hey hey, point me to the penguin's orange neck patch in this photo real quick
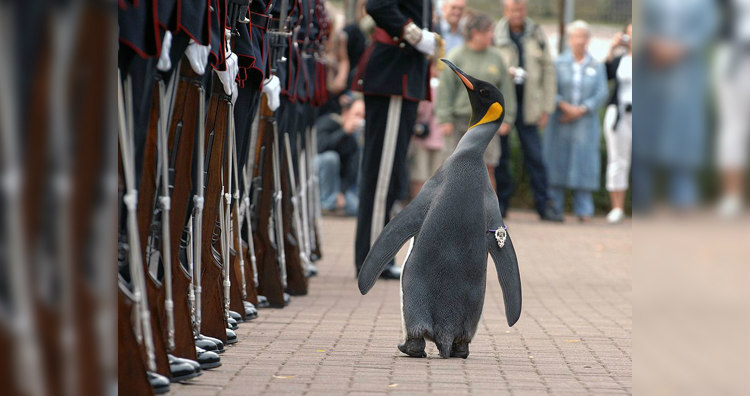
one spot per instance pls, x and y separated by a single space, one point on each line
493 113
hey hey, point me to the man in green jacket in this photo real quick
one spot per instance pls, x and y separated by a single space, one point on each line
478 58
524 48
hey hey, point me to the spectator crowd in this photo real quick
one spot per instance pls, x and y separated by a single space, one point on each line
552 104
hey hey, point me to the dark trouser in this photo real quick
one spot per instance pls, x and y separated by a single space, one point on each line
531 144
388 139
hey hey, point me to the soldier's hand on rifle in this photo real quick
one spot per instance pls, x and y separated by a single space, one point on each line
229 75
272 89
165 62
197 56
423 40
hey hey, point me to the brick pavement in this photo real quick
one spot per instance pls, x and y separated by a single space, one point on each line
573 337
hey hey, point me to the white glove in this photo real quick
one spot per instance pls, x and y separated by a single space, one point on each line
165 63
421 39
427 44
198 56
272 89
228 76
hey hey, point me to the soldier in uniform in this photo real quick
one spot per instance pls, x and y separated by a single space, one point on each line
394 76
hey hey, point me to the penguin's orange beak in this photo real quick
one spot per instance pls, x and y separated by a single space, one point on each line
464 78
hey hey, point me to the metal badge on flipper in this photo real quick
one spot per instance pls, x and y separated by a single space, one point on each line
500 235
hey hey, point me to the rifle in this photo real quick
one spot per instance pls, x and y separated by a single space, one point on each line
147 192
238 268
143 329
211 306
245 211
270 276
297 268
237 12
313 194
130 369
183 124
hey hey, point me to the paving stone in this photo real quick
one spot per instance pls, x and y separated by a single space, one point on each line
573 337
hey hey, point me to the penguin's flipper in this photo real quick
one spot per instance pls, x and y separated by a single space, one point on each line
506 262
405 225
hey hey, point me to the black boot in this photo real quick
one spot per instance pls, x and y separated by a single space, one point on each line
207 359
158 382
231 337
209 343
391 272
183 369
232 323
250 311
236 316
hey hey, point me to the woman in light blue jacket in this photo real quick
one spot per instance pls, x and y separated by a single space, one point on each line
571 141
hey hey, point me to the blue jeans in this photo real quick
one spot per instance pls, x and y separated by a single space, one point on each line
531 145
328 165
329 183
583 201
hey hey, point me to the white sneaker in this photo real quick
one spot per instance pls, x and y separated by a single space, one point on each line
615 216
730 206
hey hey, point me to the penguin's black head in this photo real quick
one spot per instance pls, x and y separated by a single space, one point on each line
487 102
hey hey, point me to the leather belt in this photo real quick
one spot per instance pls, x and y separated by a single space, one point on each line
381 36
261 21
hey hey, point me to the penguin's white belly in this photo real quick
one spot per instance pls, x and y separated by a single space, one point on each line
401 285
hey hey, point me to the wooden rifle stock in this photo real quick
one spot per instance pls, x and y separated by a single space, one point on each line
182 133
296 279
269 277
233 225
213 322
131 371
252 291
146 194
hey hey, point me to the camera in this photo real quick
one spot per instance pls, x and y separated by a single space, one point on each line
519 76
421 130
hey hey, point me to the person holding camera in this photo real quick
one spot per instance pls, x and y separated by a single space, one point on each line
524 48
478 58
618 121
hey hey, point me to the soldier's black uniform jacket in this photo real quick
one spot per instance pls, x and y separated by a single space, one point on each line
251 45
139 27
287 71
390 65
309 39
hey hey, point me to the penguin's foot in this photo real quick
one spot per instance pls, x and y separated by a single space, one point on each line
460 350
444 349
413 347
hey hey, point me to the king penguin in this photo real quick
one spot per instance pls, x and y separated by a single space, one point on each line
453 223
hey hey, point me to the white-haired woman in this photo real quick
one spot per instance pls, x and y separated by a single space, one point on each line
571 141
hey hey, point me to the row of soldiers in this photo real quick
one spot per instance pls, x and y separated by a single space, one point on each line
219 214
